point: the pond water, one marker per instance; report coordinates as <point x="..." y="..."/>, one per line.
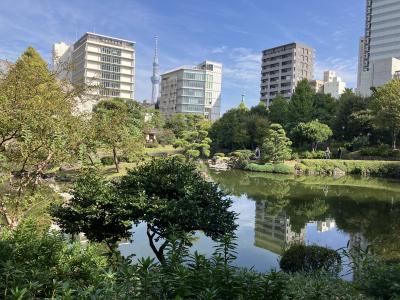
<point x="276" y="210"/>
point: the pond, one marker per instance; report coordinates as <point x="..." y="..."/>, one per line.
<point x="277" y="210"/>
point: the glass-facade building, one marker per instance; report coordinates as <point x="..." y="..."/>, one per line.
<point x="192" y="90"/>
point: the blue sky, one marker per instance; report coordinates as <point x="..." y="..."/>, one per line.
<point x="233" y="32"/>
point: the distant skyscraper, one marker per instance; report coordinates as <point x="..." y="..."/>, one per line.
<point x="361" y="53"/>
<point x="105" y="63"/>
<point x="192" y="90"/>
<point x="382" y="31"/>
<point x="155" y="79"/>
<point x="381" y="52"/>
<point x="283" y="67"/>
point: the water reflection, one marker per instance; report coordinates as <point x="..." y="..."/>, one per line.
<point x="274" y="233"/>
<point x="320" y="210"/>
<point x="275" y="211"/>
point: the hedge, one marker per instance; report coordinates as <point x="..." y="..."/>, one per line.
<point x="270" y="168"/>
<point x="353" y="167"/>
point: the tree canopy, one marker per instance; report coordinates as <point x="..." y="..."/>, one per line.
<point x="312" y="132"/>
<point x="276" y="145"/>
<point x="301" y="104"/>
<point x="386" y="108"/>
<point x="170" y="196"/>
<point x="119" y="126"/>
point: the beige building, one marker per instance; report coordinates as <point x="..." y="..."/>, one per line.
<point x="106" y="64"/>
<point x="283" y="67"/>
<point x="317" y="85"/>
<point x="331" y="84"/>
<point x="192" y="90"/>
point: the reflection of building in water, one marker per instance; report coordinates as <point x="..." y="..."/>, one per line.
<point x="274" y="233"/>
<point x="326" y="225"/>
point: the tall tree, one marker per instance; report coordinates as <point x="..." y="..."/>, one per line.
<point x="119" y="126"/>
<point x="386" y="108"/>
<point x="324" y="108"/>
<point x="301" y="103"/>
<point x="276" y="147"/>
<point x="279" y="110"/>
<point x="346" y="124"/>
<point x="38" y="126"/>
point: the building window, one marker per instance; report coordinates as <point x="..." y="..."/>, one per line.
<point x="111" y="51"/>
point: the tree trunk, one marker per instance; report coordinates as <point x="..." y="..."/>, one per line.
<point x="91" y="160"/>
<point x="394" y="139"/>
<point x="116" y="162"/>
<point x="158" y="252"/>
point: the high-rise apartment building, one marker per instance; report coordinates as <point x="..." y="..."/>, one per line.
<point x="283" y="67"/>
<point x="192" y="90"/>
<point x="105" y="63"/>
<point x="381" y="44"/>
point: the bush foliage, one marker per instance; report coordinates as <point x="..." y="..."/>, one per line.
<point x="308" y="259"/>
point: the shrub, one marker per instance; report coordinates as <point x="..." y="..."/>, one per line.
<point x="312" y="154"/>
<point x="283" y="169"/>
<point x="354" y="167"/>
<point x="308" y="259"/>
<point x="180" y="157"/>
<point x="270" y="168"/>
<point x="219" y="155"/>
<point x="107" y="161"/>
<point x="242" y="154"/>
<point x="379" y="279"/>
<point x="380" y="151"/>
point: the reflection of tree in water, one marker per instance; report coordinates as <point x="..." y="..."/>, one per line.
<point x="302" y="211"/>
<point x="369" y="208"/>
<point x="377" y="221"/>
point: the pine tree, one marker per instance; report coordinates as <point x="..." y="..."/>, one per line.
<point x="276" y="147"/>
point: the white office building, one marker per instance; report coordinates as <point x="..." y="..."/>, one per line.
<point x="192" y="90"/>
<point x="381" y="44"/>
<point x="333" y="84"/>
<point x="103" y="63"/>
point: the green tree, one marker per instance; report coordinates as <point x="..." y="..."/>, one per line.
<point x="98" y="210"/>
<point x="118" y="125"/>
<point x="386" y="108"/>
<point x="230" y="132"/>
<point x="194" y="143"/>
<point x="301" y="105"/>
<point x="324" y="108"/>
<point x="276" y="147"/>
<point x="312" y="132"/>
<point x="279" y="110"/>
<point x="39" y="128"/>
<point x="346" y="123"/>
<point x="177" y="201"/>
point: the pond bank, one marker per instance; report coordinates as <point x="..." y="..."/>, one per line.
<point x="325" y="167"/>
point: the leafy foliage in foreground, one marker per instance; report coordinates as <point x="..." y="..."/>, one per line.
<point x="39" y="264"/>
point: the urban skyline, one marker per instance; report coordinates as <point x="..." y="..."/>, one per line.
<point x="234" y="35"/>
